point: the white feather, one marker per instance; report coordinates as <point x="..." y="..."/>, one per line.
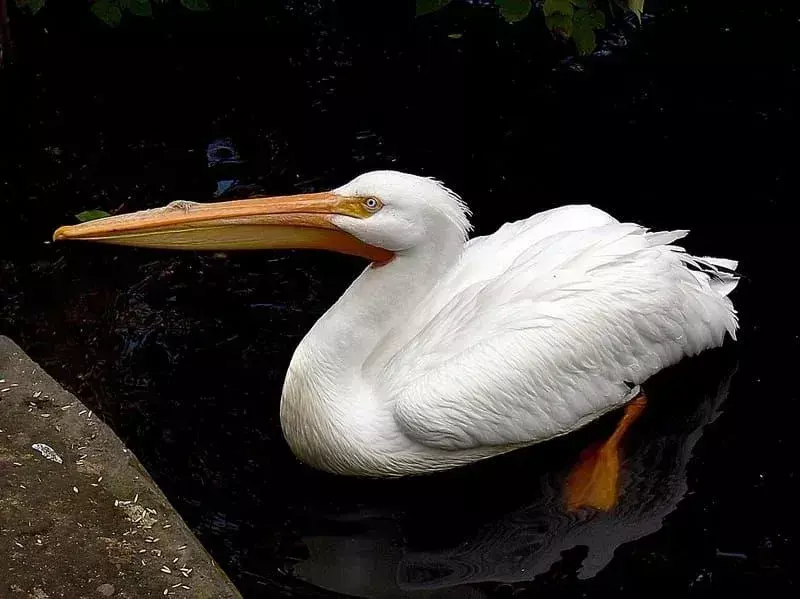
<point x="454" y="352"/>
<point x="551" y="334"/>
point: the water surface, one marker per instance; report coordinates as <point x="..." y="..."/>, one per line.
<point x="689" y="123"/>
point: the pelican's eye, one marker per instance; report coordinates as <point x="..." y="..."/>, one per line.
<point x="373" y="204"/>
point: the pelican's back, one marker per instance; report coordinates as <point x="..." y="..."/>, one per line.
<point x="547" y="324"/>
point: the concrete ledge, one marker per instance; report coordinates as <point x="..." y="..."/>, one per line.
<point x="85" y="520"/>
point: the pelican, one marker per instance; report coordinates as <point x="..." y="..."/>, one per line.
<point x="448" y="350"/>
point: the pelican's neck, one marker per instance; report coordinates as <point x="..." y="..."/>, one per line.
<point x="332" y="413"/>
<point x="382" y="297"/>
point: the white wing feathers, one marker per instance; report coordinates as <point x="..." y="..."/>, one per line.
<point x="549" y="322"/>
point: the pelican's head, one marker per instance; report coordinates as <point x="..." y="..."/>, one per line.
<point x="375" y="216"/>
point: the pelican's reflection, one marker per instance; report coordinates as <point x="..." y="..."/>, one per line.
<point x="430" y="545"/>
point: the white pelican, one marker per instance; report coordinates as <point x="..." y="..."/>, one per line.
<point x="446" y="351"/>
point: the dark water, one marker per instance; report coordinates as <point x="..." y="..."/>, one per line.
<point x="688" y="123"/>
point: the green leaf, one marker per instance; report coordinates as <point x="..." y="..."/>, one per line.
<point x="553" y="7"/>
<point x="514" y="11"/>
<point x="107" y="12"/>
<point x="35" y="5"/>
<point x="585" y="21"/>
<point x="88" y="215"/>
<point x="636" y="7"/>
<point x="425" y="7"/>
<point x="592" y="18"/>
<point x="584" y="38"/>
<point x="559" y="23"/>
<point x="141" y="8"/>
<point x="198" y="5"/>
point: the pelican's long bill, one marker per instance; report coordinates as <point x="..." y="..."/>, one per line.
<point x="283" y="222"/>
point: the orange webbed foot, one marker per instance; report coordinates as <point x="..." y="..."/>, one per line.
<point x="594" y="481"/>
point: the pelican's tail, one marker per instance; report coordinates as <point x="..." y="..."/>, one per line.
<point x="720" y="271"/>
<point x="716" y="277"/>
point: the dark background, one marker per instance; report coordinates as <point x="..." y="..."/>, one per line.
<point x="686" y="122"/>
